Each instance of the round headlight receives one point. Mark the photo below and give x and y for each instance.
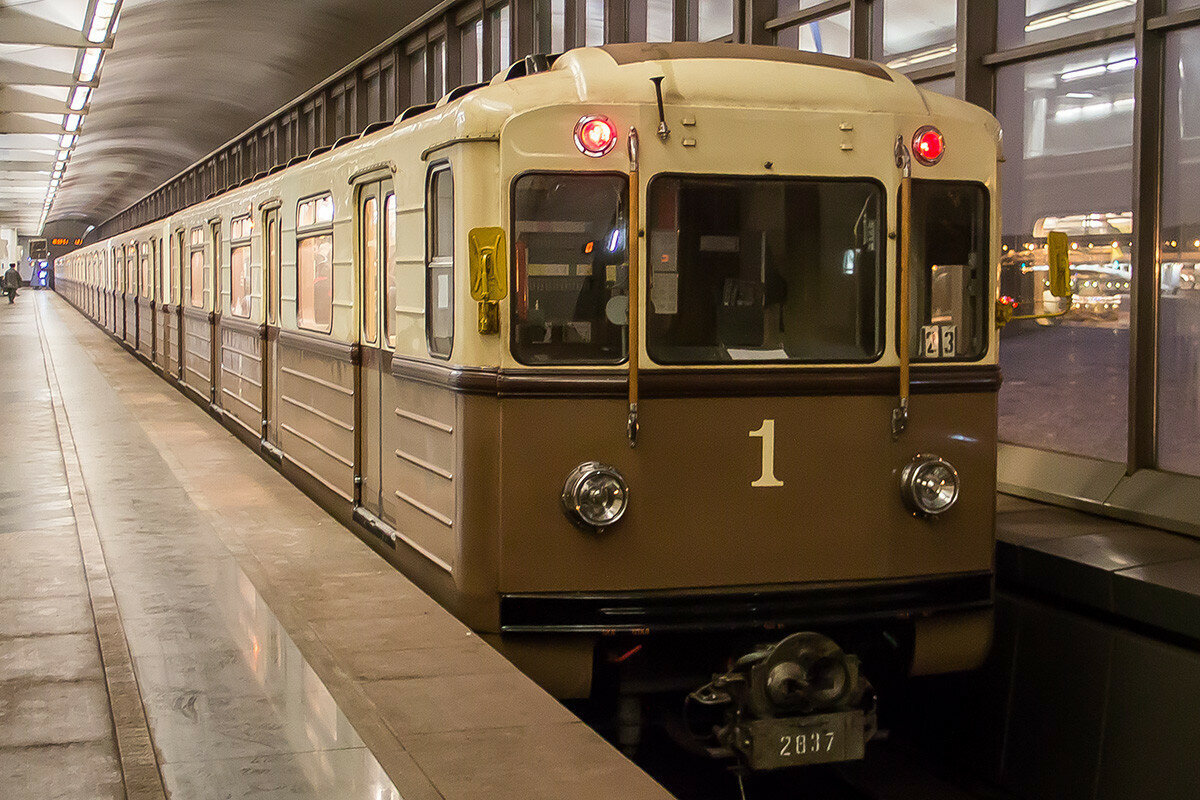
(929, 484)
(595, 495)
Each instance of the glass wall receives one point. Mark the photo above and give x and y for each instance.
(1068, 134)
(651, 21)
(1029, 21)
(913, 34)
(1179, 244)
(830, 34)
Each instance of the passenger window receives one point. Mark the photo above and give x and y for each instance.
(197, 268)
(439, 262)
(240, 279)
(949, 274)
(314, 264)
(570, 299)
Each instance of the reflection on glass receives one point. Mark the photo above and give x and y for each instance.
(829, 35)
(593, 27)
(239, 283)
(418, 92)
(1179, 246)
(314, 282)
(940, 85)
(501, 38)
(714, 19)
(916, 34)
(651, 20)
(1068, 130)
(1029, 21)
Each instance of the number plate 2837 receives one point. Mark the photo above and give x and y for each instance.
(796, 741)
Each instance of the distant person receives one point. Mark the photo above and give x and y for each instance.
(10, 281)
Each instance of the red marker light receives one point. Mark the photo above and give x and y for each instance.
(928, 145)
(595, 135)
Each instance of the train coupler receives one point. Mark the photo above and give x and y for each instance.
(797, 702)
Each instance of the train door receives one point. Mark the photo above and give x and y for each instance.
(376, 206)
(272, 242)
(181, 252)
(214, 317)
(152, 272)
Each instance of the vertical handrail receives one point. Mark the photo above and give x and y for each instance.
(633, 241)
(900, 412)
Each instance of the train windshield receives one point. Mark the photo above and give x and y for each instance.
(764, 270)
(570, 300)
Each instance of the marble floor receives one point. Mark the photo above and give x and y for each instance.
(176, 620)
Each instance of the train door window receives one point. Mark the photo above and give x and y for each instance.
(147, 283)
(570, 302)
(764, 270)
(240, 278)
(131, 268)
(949, 271)
(439, 261)
(196, 271)
(389, 267)
(314, 263)
(272, 246)
(370, 267)
(212, 275)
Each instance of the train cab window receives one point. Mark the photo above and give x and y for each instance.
(314, 263)
(439, 262)
(765, 270)
(196, 263)
(949, 271)
(570, 301)
(240, 279)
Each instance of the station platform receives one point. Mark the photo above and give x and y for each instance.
(177, 620)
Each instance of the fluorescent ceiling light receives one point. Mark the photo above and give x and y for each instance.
(66, 140)
(79, 98)
(97, 29)
(90, 64)
(1079, 12)
(63, 155)
(921, 56)
(71, 122)
(1121, 65)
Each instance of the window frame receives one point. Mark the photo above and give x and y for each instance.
(196, 245)
(436, 168)
(314, 230)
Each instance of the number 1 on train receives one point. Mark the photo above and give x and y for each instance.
(766, 432)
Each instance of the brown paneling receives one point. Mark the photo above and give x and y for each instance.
(316, 409)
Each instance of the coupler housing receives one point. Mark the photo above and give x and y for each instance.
(799, 701)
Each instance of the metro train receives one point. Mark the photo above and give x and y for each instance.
(670, 369)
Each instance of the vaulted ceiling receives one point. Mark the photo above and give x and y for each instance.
(174, 79)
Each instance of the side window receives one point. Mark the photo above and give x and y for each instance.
(439, 261)
(197, 268)
(239, 266)
(314, 263)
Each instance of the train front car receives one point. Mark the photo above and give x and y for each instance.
(780, 536)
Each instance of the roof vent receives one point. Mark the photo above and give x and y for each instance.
(412, 111)
(531, 65)
(376, 126)
(462, 90)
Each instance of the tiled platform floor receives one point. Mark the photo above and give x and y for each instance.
(276, 656)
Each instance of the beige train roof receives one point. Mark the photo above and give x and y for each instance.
(701, 74)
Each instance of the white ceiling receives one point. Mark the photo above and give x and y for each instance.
(181, 78)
